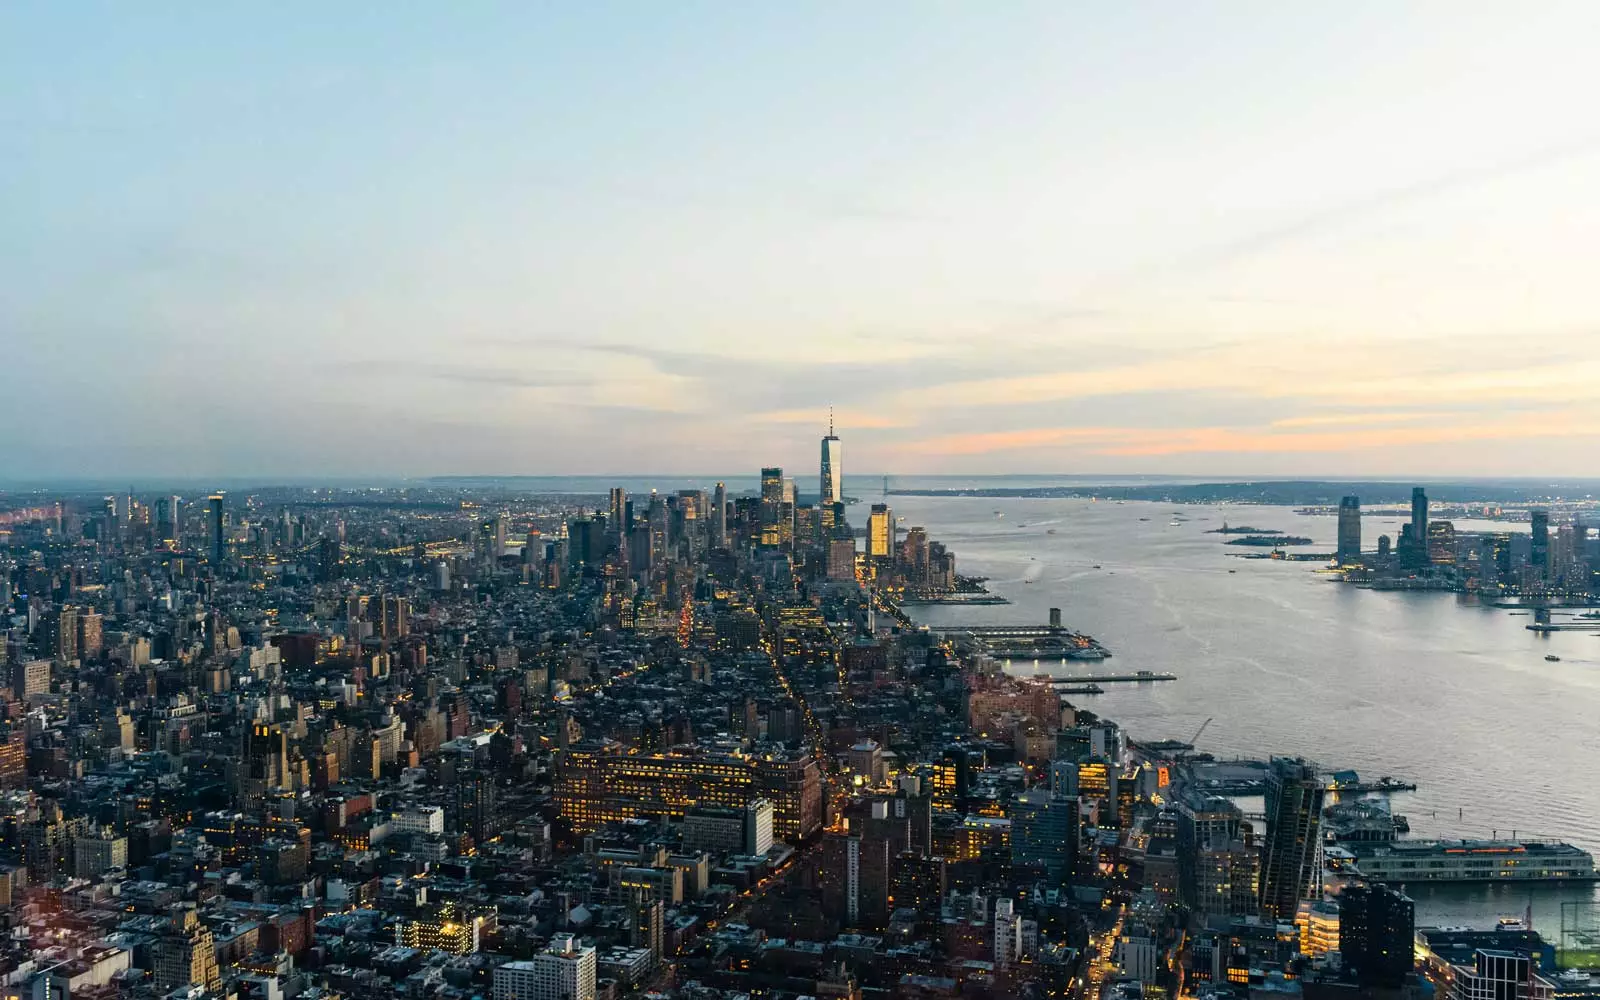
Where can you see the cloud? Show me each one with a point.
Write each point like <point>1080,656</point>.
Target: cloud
<point>853,419</point>
<point>1281,437</point>
<point>502,377</point>
<point>1358,419</point>
<point>1333,217</point>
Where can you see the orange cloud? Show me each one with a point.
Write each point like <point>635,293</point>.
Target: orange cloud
<point>1347,419</point>
<point>1281,437</point>
<point>1226,439</point>
<point>978,444</point>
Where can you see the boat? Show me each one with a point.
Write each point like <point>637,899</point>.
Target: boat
<point>1553,658</point>
<point>1051,531</point>
<point>1174,524</point>
<point>1144,519</point>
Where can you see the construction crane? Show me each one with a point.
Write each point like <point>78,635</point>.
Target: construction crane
<point>1197,733</point>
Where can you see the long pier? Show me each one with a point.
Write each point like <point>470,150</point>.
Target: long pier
<point>1143,675</point>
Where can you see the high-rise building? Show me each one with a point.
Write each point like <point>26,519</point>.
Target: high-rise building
<point>1419,512</point>
<point>1414,536</point>
<point>66,634</point>
<point>167,519</point>
<point>880,532</point>
<point>771,505</point>
<point>565,970</point>
<point>1377,926</point>
<point>91,634</point>
<point>218,540</point>
<point>719,517</point>
<point>1007,934</point>
<point>99,852</point>
<point>1349,548</point>
<point>842,559</point>
<point>394,617</point>
<point>660,528</point>
<point>30,677</point>
<point>855,878</point>
<point>617,524</point>
<point>1539,544</point>
<point>1044,832</point>
<point>475,806</point>
<point>1219,864</point>
<point>1442,543</point>
<point>1289,862</point>
<point>186,954</point>
<point>265,768</point>
<point>832,490</point>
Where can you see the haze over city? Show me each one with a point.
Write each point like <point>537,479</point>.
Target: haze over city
<point>1249,238</point>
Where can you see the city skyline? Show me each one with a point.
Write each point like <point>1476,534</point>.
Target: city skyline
<point>1084,238</point>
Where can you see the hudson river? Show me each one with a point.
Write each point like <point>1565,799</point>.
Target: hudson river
<point>1431,688</point>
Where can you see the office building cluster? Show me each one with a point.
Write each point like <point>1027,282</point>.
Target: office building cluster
<point>1553,561</point>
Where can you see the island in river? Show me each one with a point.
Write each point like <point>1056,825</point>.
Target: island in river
<point>1269,540</point>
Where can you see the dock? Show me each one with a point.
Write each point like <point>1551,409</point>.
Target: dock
<point>1138,678</point>
<point>1024,642</point>
<point>1081,689</point>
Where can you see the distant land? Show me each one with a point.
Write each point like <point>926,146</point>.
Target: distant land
<point>1293,493</point>
<point>1269,541</point>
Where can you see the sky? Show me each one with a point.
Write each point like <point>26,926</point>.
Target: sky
<point>1221,238</point>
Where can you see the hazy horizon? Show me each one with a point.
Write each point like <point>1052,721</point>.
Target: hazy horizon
<point>1239,240</point>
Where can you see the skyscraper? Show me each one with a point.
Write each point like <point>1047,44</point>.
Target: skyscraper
<point>1539,548</point>
<point>1418,549</point>
<point>265,765</point>
<point>1289,854</point>
<point>617,526</point>
<point>167,518</point>
<point>832,490</point>
<point>771,505</point>
<point>1376,928</point>
<point>880,532</point>
<point>1044,832</point>
<point>66,633</point>
<point>1349,549</point>
<point>186,953</point>
<point>218,542</point>
<point>719,517</point>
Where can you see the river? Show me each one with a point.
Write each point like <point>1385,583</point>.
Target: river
<point>1428,687</point>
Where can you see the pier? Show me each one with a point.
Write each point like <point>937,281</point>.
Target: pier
<point>1140,677</point>
<point>1025,642</point>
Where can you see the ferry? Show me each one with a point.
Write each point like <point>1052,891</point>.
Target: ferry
<point>1410,861</point>
<point>1553,658</point>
